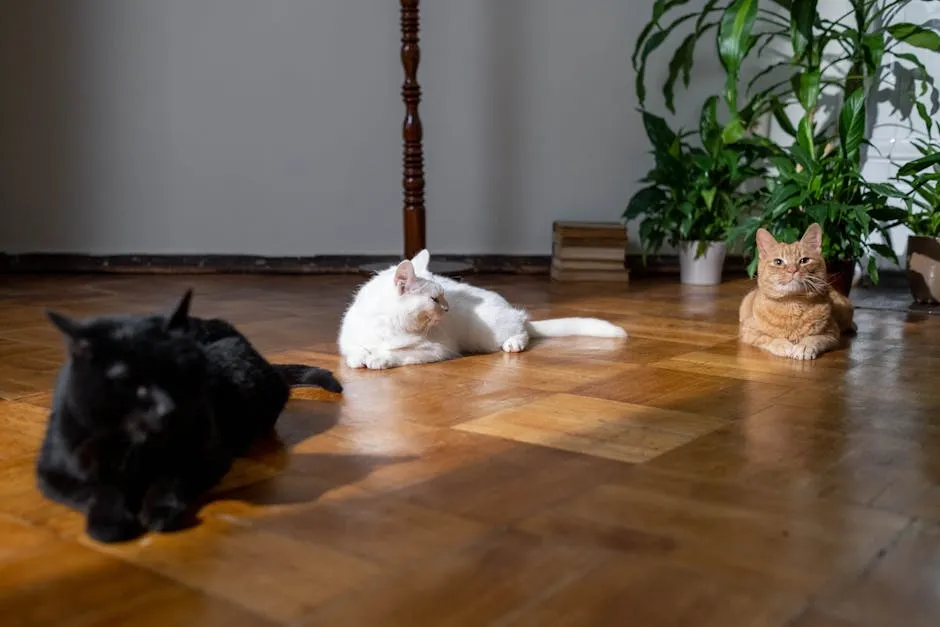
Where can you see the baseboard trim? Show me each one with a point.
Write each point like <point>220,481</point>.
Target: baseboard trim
<point>668,265</point>
<point>43,263</point>
<point>36,263</point>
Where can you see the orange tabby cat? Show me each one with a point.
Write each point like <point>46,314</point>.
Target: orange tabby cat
<point>794,312</point>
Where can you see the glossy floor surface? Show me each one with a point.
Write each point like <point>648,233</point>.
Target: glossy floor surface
<point>672,479</point>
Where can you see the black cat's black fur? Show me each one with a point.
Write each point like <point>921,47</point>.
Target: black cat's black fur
<point>149,413</point>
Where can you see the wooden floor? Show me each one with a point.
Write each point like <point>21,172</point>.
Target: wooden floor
<point>673,479</point>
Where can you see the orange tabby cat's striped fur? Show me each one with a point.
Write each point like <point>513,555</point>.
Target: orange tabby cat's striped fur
<point>794,312</point>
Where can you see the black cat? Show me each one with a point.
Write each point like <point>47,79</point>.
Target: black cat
<point>149,413</point>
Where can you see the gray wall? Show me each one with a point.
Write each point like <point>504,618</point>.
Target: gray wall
<point>273,127</point>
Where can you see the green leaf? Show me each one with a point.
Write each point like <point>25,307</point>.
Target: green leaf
<point>684,55</point>
<point>660,135</point>
<point>852,124</point>
<point>733,131</point>
<point>681,59</point>
<point>708,124</point>
<point>700,29</point>
<point>887,214</point>
<point>916,36</point>
<point>654,42</point>
<point>873,270</point>
<point>883,250</point>
<point>782,199</point>
<point>819,213</point>
<point>863,218</point>
<point>804,158</point>
<point>789,234</point>
<point>806,86</point>
<point>915,166</point>
<point>653,23</point>
<point>752,267</point>
<point>924,116</point>
<point>650,236</point>
<point>734,39</point>
<point>709,196</point>
<point>784,165</point>
<point>706,11</point>
<point>804,137</point>
<point>912,58</point>
<point>780,114</point>
<point>873,51</point>
<point>886,189</point>
<point>802,19</point>
<point>660,7</point>
<point>645,201</point>
<point>640,42</point>
<point>685,226</point>
<point>650,46</point>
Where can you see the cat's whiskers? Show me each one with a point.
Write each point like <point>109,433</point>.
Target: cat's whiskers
<point>815,284</point>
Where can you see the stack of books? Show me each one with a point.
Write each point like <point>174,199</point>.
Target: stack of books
<point>589,251</point>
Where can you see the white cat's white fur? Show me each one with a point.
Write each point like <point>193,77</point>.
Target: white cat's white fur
<point>406,315</point>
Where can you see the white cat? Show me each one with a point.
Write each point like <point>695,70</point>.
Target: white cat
<point>406,315</point>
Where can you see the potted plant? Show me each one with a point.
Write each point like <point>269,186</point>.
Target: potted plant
<point>922,175</point>
<point>819,177</point>
<point>694,196</point>
<point>820,180</point>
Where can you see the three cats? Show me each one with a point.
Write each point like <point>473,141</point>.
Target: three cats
<point>406,315</point>
<point>149,412</point>
<point>794,312</point>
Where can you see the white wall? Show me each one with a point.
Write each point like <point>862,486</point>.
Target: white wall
<point>239,126</point>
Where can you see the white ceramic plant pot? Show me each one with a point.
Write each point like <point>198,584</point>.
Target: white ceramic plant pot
<point>703,270</point>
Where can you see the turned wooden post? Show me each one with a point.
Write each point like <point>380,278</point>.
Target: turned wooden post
<point>412,132</point>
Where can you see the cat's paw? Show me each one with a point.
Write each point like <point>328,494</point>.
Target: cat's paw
<point>516,344</point>
<point>110,531</point>
<point>166,517</point>
<point>780,348</point>
<point>108,521</point>
<point>804,352</point>
<point>378,362</point>
<point>164,511</point>
<point>357,360</point>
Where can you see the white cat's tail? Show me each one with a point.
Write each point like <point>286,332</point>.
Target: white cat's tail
<point>562,327</point>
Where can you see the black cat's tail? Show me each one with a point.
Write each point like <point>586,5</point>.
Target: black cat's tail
<point>298,375</point>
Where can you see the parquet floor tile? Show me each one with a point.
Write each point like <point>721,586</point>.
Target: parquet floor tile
<point>674,479</point>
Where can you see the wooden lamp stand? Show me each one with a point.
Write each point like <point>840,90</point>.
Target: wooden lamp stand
<point>413,151</point>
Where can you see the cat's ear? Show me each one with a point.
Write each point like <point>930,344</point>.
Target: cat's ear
<point>71,329</point>
<point>420,261</point>
<point>179,317</point>
<point>812,238</point>
<point>765,242</point>
<point>404,276</point>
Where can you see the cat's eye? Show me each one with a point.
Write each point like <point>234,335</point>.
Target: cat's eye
<point>778,261</point>
<point>436,299</point>
<point>142,393</point>
<point>804,260</point>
